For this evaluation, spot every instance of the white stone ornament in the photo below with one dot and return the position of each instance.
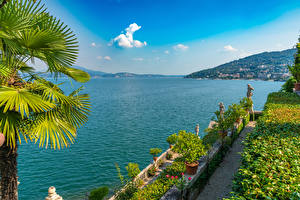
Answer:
(52, 194)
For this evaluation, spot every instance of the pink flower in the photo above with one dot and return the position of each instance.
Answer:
(190, 178)
(167, 176)
(182, 174)
(172, 177)
(176, 177)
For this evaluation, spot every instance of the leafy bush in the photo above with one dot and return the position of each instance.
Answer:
(190, 146)
(246, 103)
(270, 161)
(155, 151)
(295, 69)
(210, 138)
(128, 191)
(289, 85)
(162, 184)
(172, 139)
(133, 170)
(99, 193)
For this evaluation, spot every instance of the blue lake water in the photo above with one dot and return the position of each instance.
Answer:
(129, 116)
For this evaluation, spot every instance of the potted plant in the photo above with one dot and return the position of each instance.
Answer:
(152, 171)
(191, 148)
(172, 140)
(295, 69)
(154, 152)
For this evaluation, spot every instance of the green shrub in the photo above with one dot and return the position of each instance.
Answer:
(172, 139)
(190, 146)
(210, 138)
(99, 193)
(133, 170)
(289, 85)
(270, 161)
(246, 103)
(128, 191)
(155, 151)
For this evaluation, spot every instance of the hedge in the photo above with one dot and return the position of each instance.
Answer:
(271, 159)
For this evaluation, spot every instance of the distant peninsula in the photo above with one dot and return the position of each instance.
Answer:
(99, 74)
(262, 66)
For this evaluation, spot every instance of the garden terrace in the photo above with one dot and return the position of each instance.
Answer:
(270, 161)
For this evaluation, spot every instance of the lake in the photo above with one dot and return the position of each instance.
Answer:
(129, 116)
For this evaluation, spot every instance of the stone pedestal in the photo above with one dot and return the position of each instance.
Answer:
(52, 194)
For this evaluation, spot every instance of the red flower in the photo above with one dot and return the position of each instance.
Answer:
(172, 177)
(190, 178)
(176, 177)
(167, 176)
(182, 174)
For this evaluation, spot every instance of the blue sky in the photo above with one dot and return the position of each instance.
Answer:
(176, 36)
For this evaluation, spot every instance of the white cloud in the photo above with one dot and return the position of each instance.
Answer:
(180, 47)
(138, 59)
(99, 57)
(126, 40)
(107, 58)
(167, 52)
(93, 44)
(229, 48)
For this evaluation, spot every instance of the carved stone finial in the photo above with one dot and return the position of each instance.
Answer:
(249, 91)
(52, 194)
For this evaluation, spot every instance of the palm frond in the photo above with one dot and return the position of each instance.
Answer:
(22, 101)
(51, 128)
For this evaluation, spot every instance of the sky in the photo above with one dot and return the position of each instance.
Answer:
(175, 37)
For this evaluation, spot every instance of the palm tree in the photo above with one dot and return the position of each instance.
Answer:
(30, 106)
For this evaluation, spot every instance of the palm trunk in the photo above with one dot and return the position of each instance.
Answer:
(8, 171)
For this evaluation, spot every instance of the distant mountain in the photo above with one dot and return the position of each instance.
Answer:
(99, 74)
(263, 66)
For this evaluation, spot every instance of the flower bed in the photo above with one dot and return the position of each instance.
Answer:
(270, 166)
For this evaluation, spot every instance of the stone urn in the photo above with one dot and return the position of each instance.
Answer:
(52, 194)
(2, 139)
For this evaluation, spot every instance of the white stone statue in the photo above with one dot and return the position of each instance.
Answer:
(52, 194)
(197, 130)
(249, 91)
(222, 109)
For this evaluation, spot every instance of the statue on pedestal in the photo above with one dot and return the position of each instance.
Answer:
(222, 109)
(249, 91)
(197, 130)
(52, 194)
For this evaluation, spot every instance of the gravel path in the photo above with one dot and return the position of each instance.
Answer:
(220, 183)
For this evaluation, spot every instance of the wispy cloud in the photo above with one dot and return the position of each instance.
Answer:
(107, 58)
(138, 59)
(126, 40)
(180, 47)
(229, 48)
(93, 44)
(167, 52)
(99, 57)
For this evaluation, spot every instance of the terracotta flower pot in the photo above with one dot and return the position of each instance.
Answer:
(297, 86)
(170, 146)
(2, 139)
(155, 159)
(191, 168)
